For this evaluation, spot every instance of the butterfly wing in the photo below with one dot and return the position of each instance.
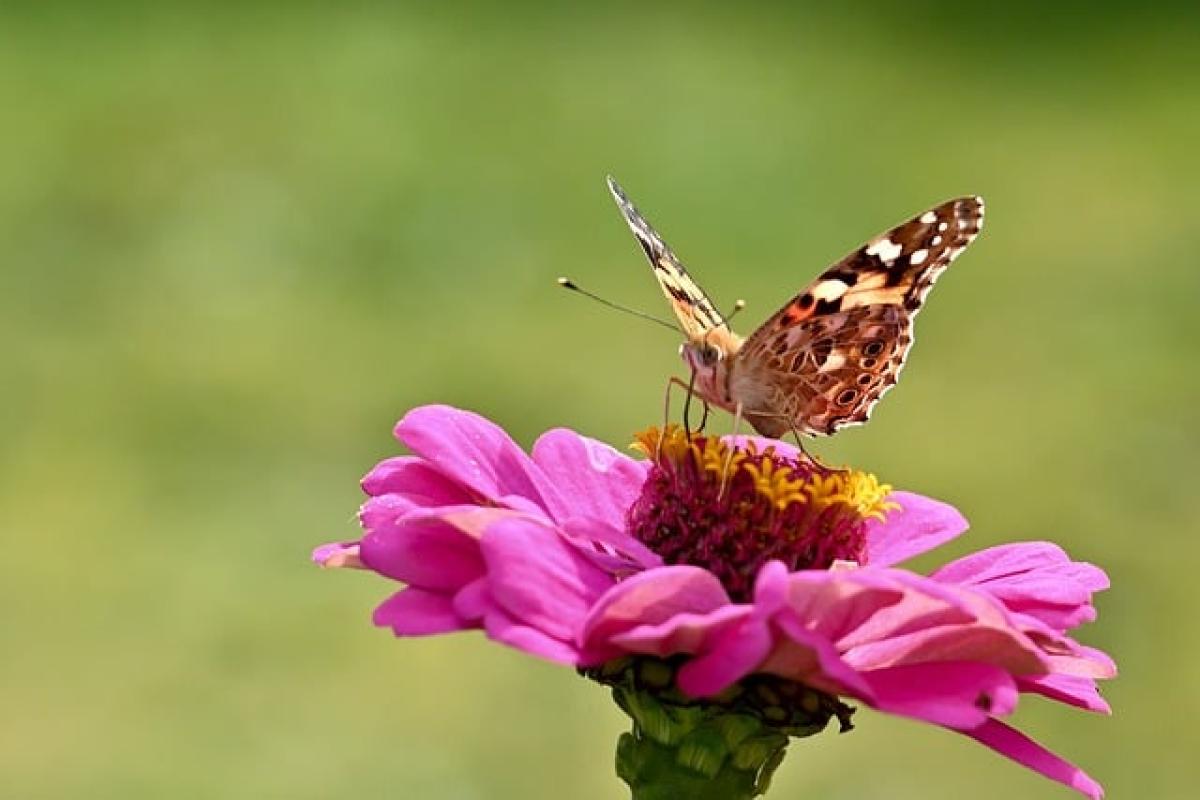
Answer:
(825, 359)
(691, 305)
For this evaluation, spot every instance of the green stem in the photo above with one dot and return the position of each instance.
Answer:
(718, 748)
(701, 765)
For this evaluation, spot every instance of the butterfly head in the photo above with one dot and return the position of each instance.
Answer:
(708, 357)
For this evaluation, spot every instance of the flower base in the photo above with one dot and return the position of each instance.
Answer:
(718, 748)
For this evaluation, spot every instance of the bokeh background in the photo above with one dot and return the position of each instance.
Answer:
(237, 243)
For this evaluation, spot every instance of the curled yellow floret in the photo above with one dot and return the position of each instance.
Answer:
(782, 482)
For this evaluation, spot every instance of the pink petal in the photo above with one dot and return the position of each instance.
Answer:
(516, 502)
(1105, 666)
(1020, 748)
(1034, 578)
(1006, 561)
(473, 601)
(338, 554)
(594, 481)
(771, 588)
(919, 525)
(503, 628)
(940, 622)
(611, 549)
(810, 657)
(648, 598)
(682, 633)
(418, 482)
(416, 612)
(898, 603)
(1070, 689)
(839, 603)
(953, 694)
(540, 580)
(1062, 653)
(981, 643)
(1084, 662)
(735, 653)
(474, 453)
(380, 512)
(425, 550)
(738, 649)
(818, 609)
(776, 638)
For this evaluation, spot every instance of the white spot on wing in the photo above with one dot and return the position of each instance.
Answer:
(835, 361)
(936, 241)
(886, 250)
(918, 257)
(830, 289)
(929, 218)
(942, 226)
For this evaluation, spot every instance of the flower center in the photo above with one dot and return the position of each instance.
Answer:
(732, 509)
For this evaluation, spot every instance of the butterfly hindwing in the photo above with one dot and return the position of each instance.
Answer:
(691, 305)
(823, 361)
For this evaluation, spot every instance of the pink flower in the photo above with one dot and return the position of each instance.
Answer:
(740, 558)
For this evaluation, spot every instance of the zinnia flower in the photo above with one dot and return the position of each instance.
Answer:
(730, 591)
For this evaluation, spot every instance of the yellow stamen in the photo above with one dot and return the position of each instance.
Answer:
(670, 443)
(861, 491)
(777, 483)
(774, 480)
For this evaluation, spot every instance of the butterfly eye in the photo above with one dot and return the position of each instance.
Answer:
(710, 355)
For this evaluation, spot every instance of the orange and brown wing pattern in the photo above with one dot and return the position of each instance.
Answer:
(825, 359)
(691, 305)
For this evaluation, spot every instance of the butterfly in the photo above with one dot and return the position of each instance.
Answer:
(824, 360)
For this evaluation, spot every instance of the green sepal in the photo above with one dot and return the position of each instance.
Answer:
(725, 747)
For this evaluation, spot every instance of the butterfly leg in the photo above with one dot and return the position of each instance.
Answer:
(809, 457)
(672, 381)
(667, 400)
(687, 405)
(799, 441)
(737, 422)
(690, 388)
(804, 454)
(691, 392)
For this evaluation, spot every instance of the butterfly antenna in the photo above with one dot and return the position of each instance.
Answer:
(567, 283)
(738, 306)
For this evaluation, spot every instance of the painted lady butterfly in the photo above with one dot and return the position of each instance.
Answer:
(822, 362)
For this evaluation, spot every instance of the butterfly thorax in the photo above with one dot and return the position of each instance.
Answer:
(710, 357)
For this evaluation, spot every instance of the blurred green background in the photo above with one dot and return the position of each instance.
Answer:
(239, 242)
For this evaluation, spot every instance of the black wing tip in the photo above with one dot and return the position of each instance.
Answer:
(972, 207)
(962, 199)
(967, 206)
(974, 200)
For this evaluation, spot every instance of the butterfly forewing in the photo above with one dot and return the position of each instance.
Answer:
(823, 361)
(691, 305)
